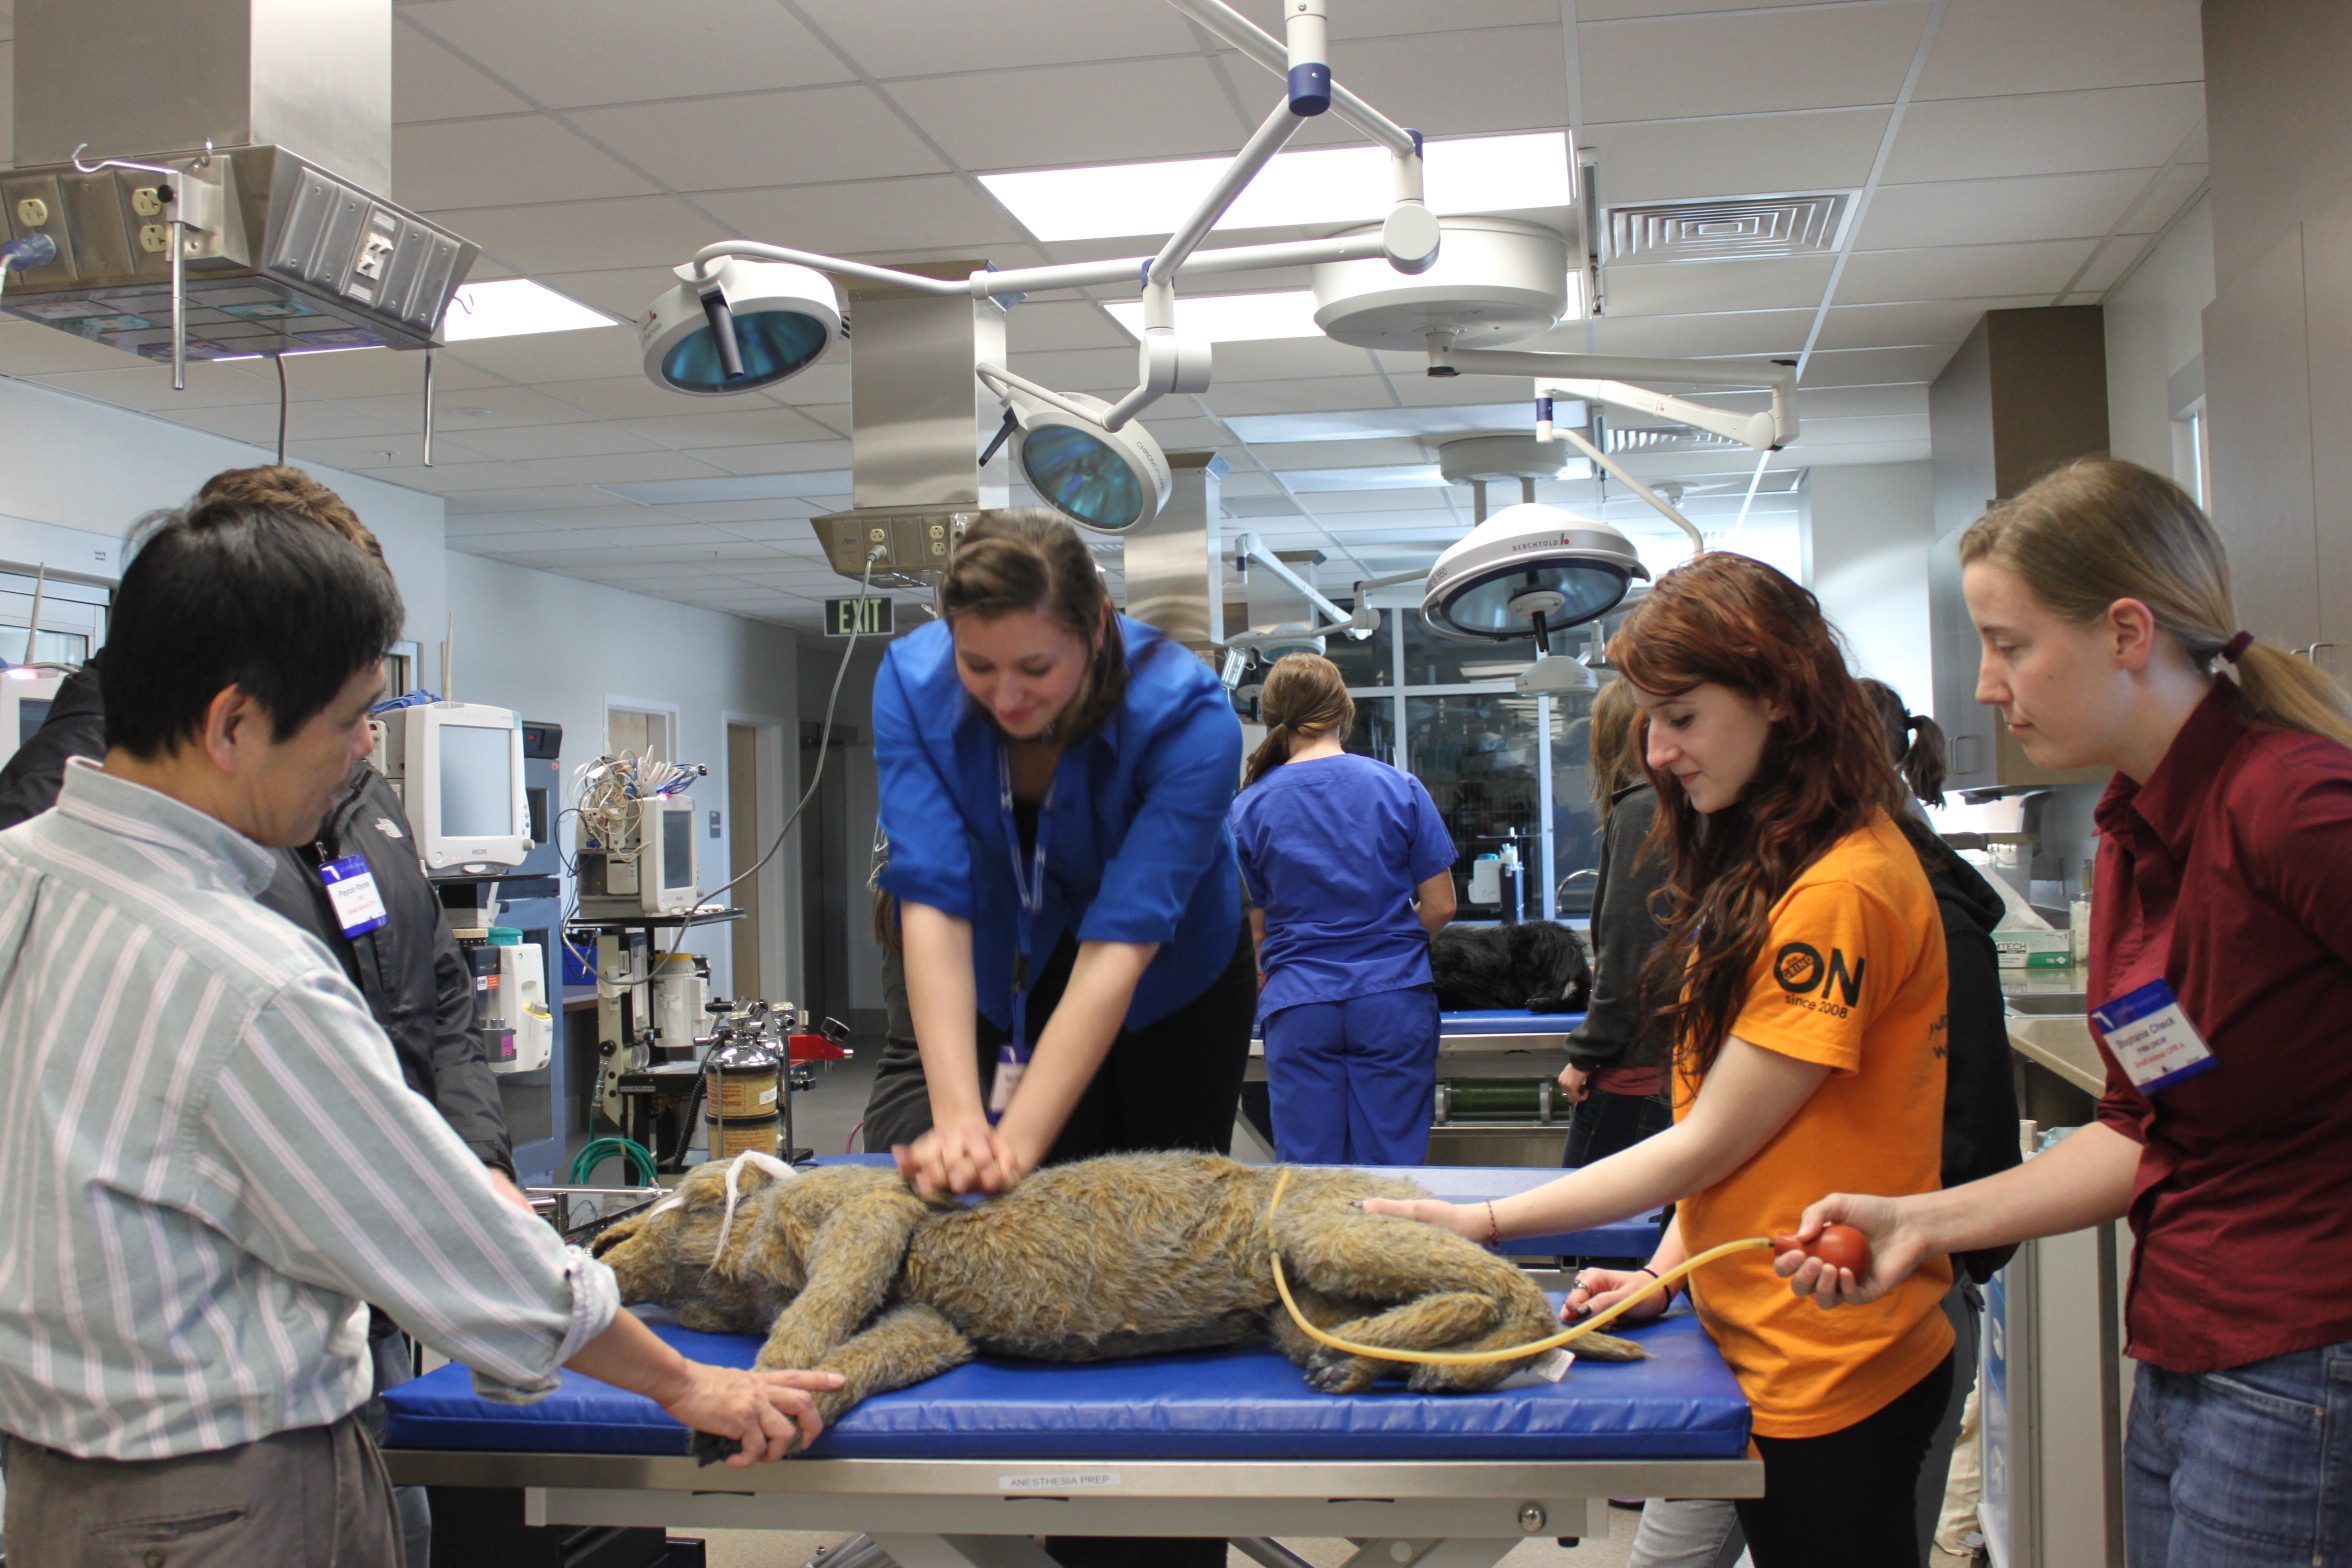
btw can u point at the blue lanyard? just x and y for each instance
(1029, 883)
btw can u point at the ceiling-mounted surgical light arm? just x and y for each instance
(1665, 508)
(1750, 430)
(1358, 624)
(1272, 53)
(1593, 373)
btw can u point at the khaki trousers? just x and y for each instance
(316, 1497)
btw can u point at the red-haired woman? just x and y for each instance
(1801, 982)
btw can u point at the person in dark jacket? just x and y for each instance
(409, 969)
(1619, 1101)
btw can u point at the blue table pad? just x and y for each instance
(1505, 1020)
(1223, 1404)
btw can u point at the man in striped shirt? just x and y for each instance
(209, 1156)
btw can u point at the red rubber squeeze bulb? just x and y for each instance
(1839, 1246)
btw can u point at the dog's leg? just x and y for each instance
(905, 1345)
(1448, 1296)
(853, 1260)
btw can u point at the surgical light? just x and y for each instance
(739, 325)
(1528, 571)
(1098, 478)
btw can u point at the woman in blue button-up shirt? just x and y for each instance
(1054, 782)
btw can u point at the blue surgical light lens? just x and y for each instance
(1485, 611)
(775, 344)
(1082, 477)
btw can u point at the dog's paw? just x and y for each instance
(1336, 1372)
(1608, 1347)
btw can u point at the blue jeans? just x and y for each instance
(1351, 1082)
(2248, 1468)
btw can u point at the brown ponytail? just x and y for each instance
(1915, 741)
(1617, 732)
(1028, 559)
(1305, 699)
(2102, 529)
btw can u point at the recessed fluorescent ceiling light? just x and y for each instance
(1325, 186)
(743, 487)
(512, 307)
(1232, 318)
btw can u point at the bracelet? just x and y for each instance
(1654, 1274)
(1494, 1234)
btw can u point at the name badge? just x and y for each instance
(2152, 1037)
(351, 888)
(1010, 1065)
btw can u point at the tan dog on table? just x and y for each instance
(845, 1268)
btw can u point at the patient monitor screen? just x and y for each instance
(677, 849)
(477, 790)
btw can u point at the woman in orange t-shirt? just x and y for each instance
(1801, 981)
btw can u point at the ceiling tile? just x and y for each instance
(874, 215)
(1454, 80)
(523, 442)
(1961, 271)
(1687, 288)
(1987, 47)
(1285, 358)
(569, 53)
(1102, 113)
(753, 139)
(476, 408)
(535, 497)
(1063, 323)
(1670, 160)
(457, 478)
(1283, 456)
(378, 372)
(622, 468)
(1391, 18)
(128, 383)
(1984, 212)
(1417, 389)
(1000, 35)
(2044, 133)
(1077, 369)
(734, 425)
(1732, 63)
(796, 457)
(1908, 325)
(621, 397)
(822, 383)
(1293, 397)
(1863, 367)
(430, 83)
(1614, 10)
(575, 236)
(28, 349)
(616, 515)
(387, 454)
(310, 421)
(1866, 403)
(499, 163)
(1750, 332)
(2166, 194)
(2112, 262)
(555, 357)
(623, 291)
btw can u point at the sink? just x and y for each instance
(2047, 1004)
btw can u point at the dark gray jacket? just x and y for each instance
(1623, 932)
(409, 969)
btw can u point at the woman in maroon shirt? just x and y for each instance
(2221, 986)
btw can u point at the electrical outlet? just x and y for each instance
(155, 237)
(32, 212)
(147, 201)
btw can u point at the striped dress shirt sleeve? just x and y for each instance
(211, 1162)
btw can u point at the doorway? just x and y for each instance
(756, 807)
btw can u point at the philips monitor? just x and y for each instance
(462, 767)
(649, 870)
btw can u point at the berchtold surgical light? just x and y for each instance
(1531, 570)
(1095, 475)
(739, 325)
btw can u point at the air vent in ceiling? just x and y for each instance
(1664, 438)
(1727, 230)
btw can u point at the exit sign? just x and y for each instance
(859, 617)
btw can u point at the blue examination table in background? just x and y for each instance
(963, 1469)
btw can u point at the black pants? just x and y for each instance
(1604, 1124)
(1174, 1084)
(1847, 1499)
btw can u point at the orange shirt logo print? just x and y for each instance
(1832, 986)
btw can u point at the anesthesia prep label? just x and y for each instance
(2152, 1037)
(1062, 1482)
(351, 888)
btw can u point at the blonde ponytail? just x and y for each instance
(2101, 529)
(1305, 699)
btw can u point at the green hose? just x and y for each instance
(631, 1153)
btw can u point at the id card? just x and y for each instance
(1010, 1065)
(2152, 1037)
(351, 888)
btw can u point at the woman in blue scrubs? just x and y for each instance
(1350, 870)
(1054, 780)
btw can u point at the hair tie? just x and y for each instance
(2237, 645)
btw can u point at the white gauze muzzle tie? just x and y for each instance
(766, 1162)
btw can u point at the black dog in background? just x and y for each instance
(1536, 964)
